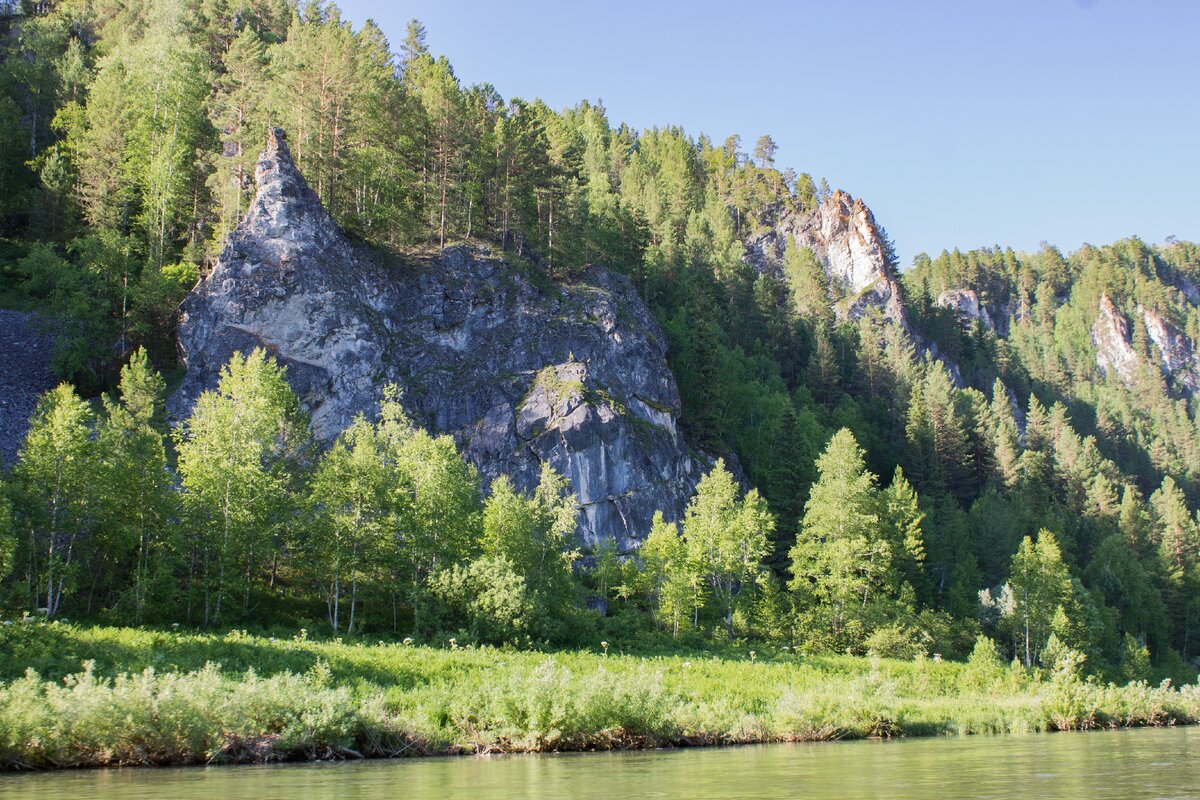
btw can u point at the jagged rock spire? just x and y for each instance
(286, 216)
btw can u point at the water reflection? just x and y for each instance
(1123, 764)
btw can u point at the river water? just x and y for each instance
(1131, 765)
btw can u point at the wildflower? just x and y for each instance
(453, 643)
(407, 641)
(605, 646)
(753, 655)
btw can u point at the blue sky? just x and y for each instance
(963, 123)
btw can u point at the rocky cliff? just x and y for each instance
(518, 371)
(842, 232)
(1117, 358)
(966, 304)
(25, 354)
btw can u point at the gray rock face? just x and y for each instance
(841, 231)
(519, 373)
(24, 375)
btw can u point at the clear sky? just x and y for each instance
(960, 123)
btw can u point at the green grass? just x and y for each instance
(91, 696)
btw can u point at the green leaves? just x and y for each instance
(239, 454)
(1041, 589)
(58, 482)
(858, 547)
(719, 555)
(532, 533)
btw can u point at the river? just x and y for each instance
(1131, 765)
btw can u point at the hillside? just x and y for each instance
(988, 444)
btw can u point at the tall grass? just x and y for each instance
(110, 696)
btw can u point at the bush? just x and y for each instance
(487, 599)
(147, 697)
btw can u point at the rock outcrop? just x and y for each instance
(1179, 361)
(842, 232)
(519, 372)
(1116, 356)
(965, 303)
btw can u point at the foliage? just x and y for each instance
(326, 699)
(128, 139)
(237, 453)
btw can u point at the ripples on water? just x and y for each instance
(1131, 765)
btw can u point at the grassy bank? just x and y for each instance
(76, 696)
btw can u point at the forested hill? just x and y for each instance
(1027, 421)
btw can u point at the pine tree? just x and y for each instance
(440, 100)
(313, 96)
(237, 109)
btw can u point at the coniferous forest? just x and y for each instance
(907, 490)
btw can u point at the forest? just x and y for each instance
(876, 488)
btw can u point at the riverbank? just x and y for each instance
(92, 696)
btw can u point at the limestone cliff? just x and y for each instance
(968, 307)
(1110, 333)
(1178, 360)
(842, 232)
(1116, 356)
(520, 372)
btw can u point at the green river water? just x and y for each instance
(1131, 765)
